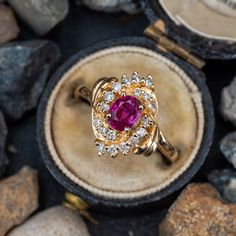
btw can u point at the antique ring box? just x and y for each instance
(169, 51)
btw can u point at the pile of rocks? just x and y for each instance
(19, 199)
(209, 209)
(25, 67)
(225, 180)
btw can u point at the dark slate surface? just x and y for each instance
(81, 29)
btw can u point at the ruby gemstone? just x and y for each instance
(125, 113)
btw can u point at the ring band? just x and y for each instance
(124, 115)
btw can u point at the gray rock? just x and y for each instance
(129, 6)
(3, 134)
(228, 147)
(8, 28)
(24, 70)
(18, 198)
(228, 102)
(41, 15)
(225, 182)
(53, 222)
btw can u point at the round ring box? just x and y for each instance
(66, 138)
(186, 115)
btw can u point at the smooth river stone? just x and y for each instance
(129, 6)
(56, 221)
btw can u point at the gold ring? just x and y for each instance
(125, 117)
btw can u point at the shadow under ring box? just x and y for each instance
(186, 116)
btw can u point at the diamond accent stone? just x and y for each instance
(124, 148)
(137, 92)
(145, 121)
(112, 150)
(135, 78)
(103, 130)
(101, 149)
(104, 107)
(141, 132)
(148, 81)
(116, 86)
(146, 96)
(109, 96)
(152, 105)
(111, 135)
(125, 80)
(134, 140)
(96, 122)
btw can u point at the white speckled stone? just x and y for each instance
(56, 221)
(228, 102)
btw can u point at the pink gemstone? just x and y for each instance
(125, 113)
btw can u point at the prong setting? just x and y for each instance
(110, 140)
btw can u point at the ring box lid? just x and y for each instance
(204, 28)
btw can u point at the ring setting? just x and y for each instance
(124, 114)
(125, 117)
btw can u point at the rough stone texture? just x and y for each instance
(129, 6)
(228, 147)
(53, 222)
(228, 102)
(24, 70)
(225, 182)
(199, 211)
(41, 15)
(8, 27)
(18, 198)
(3, 134)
